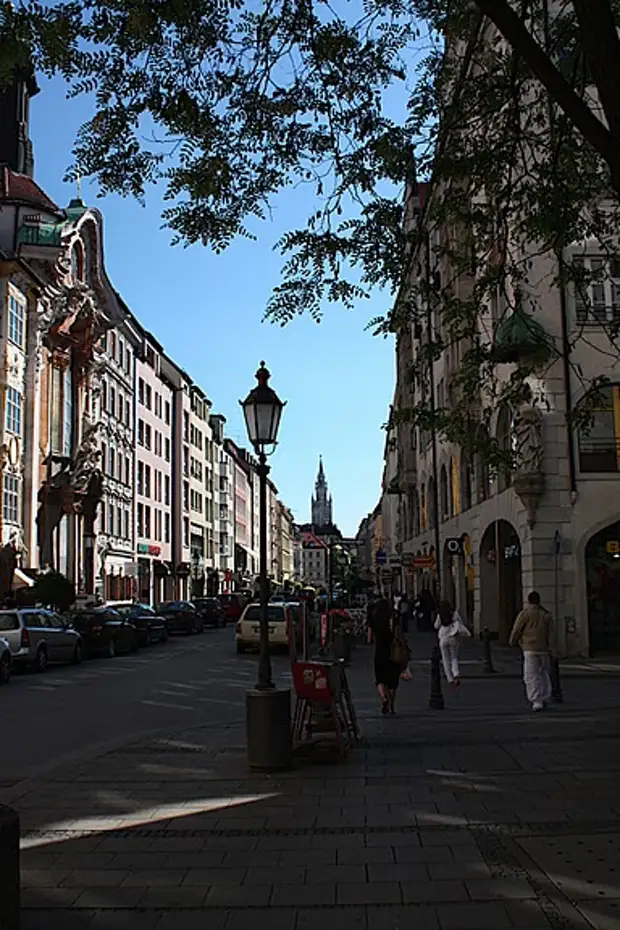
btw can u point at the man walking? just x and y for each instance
(532, 632)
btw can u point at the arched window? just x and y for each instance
(466, 481)
(432, 516)
(455, 488)
(483, 479)
(599, 437)
(444, 502)
(503, 434)
(77, 262)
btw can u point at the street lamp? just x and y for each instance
(268, 708)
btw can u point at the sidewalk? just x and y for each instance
(480, 816)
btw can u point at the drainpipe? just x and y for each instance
(429, 326)
(568, 400)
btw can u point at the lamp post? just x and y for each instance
(268, 710)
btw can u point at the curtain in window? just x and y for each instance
(56, 410)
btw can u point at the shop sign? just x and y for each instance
(424, 561)
(613, 546)
(454, 546)
(145, 549)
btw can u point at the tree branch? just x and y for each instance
(523, 42)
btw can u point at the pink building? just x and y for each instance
(154, 417)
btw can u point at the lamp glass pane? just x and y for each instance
(249, 412)
(265, 423)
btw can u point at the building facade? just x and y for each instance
(114, 386)
(154, 474)
(224, 505)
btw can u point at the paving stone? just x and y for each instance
(252, 919)
(285, 875)
(247, 858)
(239, 896)
(178, 896)
(528, 915)
(397, 840)
(109, 897)
(428, 892)
(336, 873)
(144, 878)
(300, 895)
(149, 860)
(314, 856)
(41, 878)
(459, 870)
(199, 919)
(399, 872)
(473, 917)
(213, 877)
(49, 897)
(446, 838)
(338, 841)
(601, 915)
(365, 855)
(368, 893)
(59, 919)
(95, 878)
(124, 920)
(496, 889)
(412, 917)
(73, 861)
(424, 854)
(336, 918)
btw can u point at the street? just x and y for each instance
(49, 719)
(481, 816)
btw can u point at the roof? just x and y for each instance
(21, 188)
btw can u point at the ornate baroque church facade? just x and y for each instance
(57, 303)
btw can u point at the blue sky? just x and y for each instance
(207, 311)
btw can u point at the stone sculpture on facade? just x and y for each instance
(87, 457)
(529, 477)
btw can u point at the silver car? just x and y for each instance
(6, 662)
(38, 637)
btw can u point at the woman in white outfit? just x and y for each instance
(450, 628)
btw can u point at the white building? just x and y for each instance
(154, 471)
(115, 385)
(223, 505)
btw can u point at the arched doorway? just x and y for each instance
(603, 589)
(501, 592)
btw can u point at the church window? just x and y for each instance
(68, 412)
(17, 315)
(11, 498)
(77, 262)
(14, 411)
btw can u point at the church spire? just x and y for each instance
(321, 502)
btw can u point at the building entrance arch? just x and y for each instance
(501, 589)
(603, 589)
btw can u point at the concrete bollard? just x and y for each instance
(435, 701)
(487, 657)
(9, 869)
(557, 695)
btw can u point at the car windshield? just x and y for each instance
(9, 620)
(205, 602)
(275, 613)
(135, 610)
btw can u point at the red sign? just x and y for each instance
(154, 550)
(424, 561)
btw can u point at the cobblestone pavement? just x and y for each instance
(480, 816)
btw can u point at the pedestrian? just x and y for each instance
(387, 672)
(532, 632)
(450, 628)
(403, 613)
(426, 609)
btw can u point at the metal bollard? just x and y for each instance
(556, 684)
(487, 667)
(435, 701)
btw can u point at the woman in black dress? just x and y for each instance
(387, 672)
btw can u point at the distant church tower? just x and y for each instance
(321, 500)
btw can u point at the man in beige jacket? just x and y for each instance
(532, 632)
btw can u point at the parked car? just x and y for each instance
(6, 661)
(105, 631)
(211, 611)
(38, 637)
(181, 617)
(247, 629)
(232, 605)
(150, 626)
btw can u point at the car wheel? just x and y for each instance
(111, 650)
(41, 663)
(78, 654)
(5, 670)
(240, 648)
